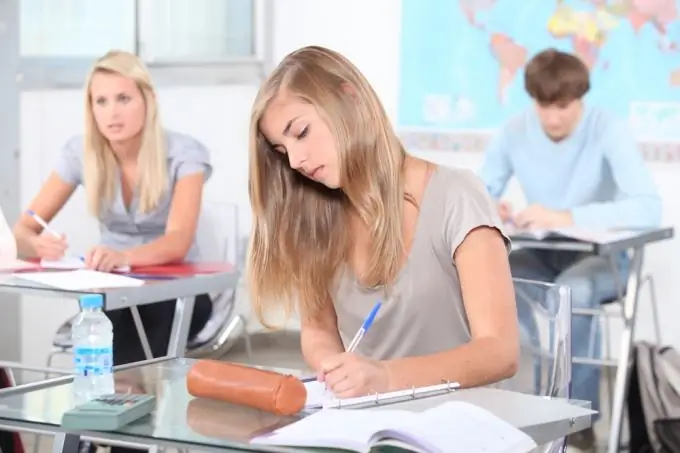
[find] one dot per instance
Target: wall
(368, 34)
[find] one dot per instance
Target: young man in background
(577, 166)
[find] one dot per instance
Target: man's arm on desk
(638, 204)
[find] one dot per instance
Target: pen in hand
(49, 246)
(364, 328)
(368, 322)
(43, 224)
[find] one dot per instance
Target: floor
(283, 349)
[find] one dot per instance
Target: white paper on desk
(317, 395)
(451, 427)
(81, 279)
(72, 263)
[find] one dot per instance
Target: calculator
(109, 412)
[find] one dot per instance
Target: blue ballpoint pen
(364, 328)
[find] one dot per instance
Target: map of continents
(462, 60)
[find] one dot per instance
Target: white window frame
(40, 73)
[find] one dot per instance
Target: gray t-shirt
(425, 313)
(121, 228)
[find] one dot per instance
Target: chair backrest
(217, 234)
(544, 312)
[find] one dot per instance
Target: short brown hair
(555, 77)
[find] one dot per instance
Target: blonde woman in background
(144, 184)
(344, 217)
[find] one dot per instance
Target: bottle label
(93, 361)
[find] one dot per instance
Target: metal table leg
(66, 443)
(141, 332)
(629, 308)
(184, 309)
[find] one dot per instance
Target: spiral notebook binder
(399, 396)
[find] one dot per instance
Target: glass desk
(183, 422)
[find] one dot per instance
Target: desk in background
(634, 244)
(183, 422)
(181, 281)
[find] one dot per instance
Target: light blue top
(597, 172)
(121, 228)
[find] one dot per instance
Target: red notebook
(186, 268)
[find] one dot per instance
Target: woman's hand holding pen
(48, 246)
(348, 375)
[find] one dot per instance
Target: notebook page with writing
(80, 279)
(72, 263)
(67, 262)
(352, 430)
(457, 426)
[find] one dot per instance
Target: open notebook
(579, 234)
(451, 427)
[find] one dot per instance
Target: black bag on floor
(654, 400)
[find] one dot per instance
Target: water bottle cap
(91, 301)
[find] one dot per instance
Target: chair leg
(649, 281)
(36, 443)
(246, 336)
(11, 377)
(609, 375)
(50, 357)
(592, 336)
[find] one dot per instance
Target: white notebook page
(67, 262)
(448, 428)
(81, 279)
(458, 426)
(351, 429)
(72, 263)
(317, 395)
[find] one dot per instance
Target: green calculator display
(108, 413)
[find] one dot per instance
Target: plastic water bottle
(92, 350)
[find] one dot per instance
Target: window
(61, 38)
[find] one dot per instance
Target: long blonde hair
(300, 235)
(99, 161)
